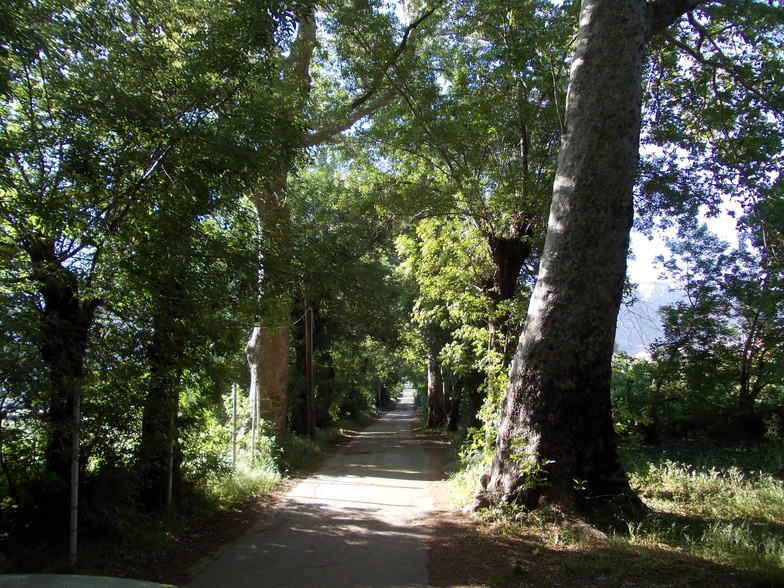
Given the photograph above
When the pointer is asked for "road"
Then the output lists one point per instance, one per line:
(358, 521)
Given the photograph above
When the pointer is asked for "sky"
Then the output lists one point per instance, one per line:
(642, 270)
(639, 324)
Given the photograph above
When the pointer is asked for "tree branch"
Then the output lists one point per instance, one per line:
(370, 101)
(395, 56)
(723, 65)
(663, 13)
(302, 51)
(324, 134)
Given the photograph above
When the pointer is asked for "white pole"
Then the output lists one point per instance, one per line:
(234, 425)
(74, 523)
(254, 423)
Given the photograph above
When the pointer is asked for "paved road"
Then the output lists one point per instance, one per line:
(359, 521)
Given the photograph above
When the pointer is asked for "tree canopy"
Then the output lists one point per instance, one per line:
(316, 202)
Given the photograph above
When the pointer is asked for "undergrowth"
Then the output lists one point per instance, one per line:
(215, 486)
(721, 513)
(710, 507)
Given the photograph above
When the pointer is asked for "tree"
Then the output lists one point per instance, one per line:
(556, 441)
(335, 38)
(476, 136)
(473, 142)
(103, 113)
(717, 131)
(726, 333)
(343, 257)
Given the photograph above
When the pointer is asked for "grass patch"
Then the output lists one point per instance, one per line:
(722, 507)
(718, 519)
(244, 482)
(462, 486)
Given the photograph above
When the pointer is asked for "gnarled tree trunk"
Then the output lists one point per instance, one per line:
(556, 441)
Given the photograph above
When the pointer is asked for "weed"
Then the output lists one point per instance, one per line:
(244, 482)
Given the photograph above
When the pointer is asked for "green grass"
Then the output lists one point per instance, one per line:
(243, 483)
(463, 485)
(724, 507)
(717, 518)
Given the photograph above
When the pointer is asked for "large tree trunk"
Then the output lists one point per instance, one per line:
(268, 347)
(155, 453)
(268, 357)
(64, 334)
(508, 255)
(556, 442)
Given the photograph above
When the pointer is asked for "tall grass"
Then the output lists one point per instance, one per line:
(680, 488)
(727, 515)
(244, 482)
(710, 507)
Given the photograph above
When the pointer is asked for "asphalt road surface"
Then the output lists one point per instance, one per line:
(358, 521)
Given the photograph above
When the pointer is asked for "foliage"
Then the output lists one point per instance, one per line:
(723, 339)
(129, 136)
(346, 266)
(132, 133)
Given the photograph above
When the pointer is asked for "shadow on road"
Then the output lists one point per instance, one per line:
(358, 521)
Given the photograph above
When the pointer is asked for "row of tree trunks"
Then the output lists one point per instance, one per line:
(270, 348)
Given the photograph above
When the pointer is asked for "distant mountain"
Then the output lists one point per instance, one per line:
(639, 324)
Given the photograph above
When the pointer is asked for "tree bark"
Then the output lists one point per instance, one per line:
(556, 441)
(268, 357)
(159, 418)
(66, 320)
(436, 397)
(63, 338)
(268, 347)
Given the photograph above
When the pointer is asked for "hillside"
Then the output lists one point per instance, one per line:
(639, 324)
